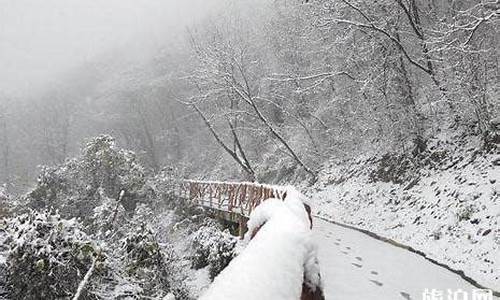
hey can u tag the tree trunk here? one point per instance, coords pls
(241, 162)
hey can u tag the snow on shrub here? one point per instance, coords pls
(152, 265)
(77, 186)
(393, 167)
(112, 168)
(111, 222)
(465, 212)
(213, 248)
(48, 257)
(142, 249)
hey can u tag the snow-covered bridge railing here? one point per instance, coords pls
(238, 198)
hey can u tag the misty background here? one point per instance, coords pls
(41, 41)
(267, 90)
(52, 55)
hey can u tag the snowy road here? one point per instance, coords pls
(355, 266)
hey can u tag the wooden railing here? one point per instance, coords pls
(233, 197)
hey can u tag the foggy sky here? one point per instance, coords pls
(40, 39)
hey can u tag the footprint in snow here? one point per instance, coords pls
(357, 265)
(346, 253)
(359, 258)
(348, 248)
(338, 240)
(337, 244)
(405, 295)
(378, 283)
(374, 272)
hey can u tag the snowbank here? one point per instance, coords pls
(274, 263)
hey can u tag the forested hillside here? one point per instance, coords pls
(272, 90)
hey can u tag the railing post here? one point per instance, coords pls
(242, 227)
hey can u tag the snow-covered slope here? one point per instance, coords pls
(448, 208)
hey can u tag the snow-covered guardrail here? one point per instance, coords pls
(233, 197)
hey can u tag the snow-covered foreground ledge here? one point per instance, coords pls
(279, 259)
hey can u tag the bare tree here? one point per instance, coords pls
(226, 67)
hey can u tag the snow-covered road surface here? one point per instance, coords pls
(355, 266)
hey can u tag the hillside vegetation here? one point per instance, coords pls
(97, 227)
